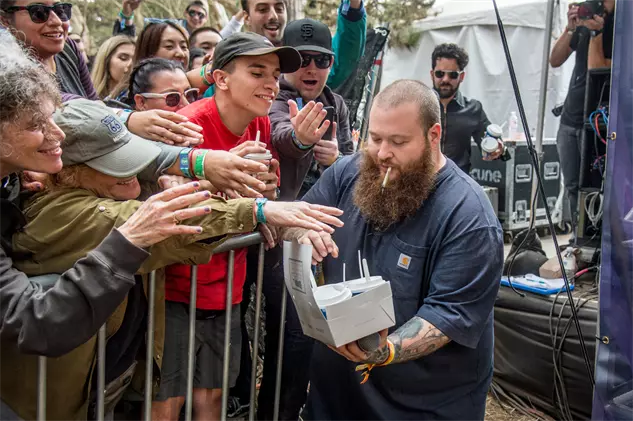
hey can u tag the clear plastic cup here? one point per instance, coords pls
(358, 286)
(328, 295)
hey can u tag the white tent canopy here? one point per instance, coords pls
(472, 25)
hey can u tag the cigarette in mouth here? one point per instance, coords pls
(384, 182)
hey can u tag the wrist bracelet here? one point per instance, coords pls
(184, 162)
(298, 144)
(203, 75)
(190, 156)
(198, 166)
(126, 17)
(125, 116)
(259, 214)
(392, 355)
(366, 368)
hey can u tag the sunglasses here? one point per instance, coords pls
(172, 99)
(150, 21)
(321, 61)
(39, 13)
(453, 75)
(193, 14)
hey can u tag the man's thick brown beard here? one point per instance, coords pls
(401, 198)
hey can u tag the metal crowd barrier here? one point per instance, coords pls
(229, 246)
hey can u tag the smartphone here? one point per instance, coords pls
(329, 116)
(587, 9)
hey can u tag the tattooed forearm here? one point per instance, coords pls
(379, 356)
(415, 339)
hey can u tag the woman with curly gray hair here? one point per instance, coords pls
(84, 296)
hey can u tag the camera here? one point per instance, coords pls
(587, 9)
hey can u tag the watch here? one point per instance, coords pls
(596, 33)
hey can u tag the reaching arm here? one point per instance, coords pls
(348, 42)
(81, 300)
(564, 45)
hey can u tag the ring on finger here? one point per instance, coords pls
(175, 218)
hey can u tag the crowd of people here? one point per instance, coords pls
(144, 163)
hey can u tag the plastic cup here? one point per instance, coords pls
(360, 285)
(328, 295)
(264, 158)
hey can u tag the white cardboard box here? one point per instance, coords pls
(362, 315)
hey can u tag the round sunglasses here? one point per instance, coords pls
(453, 75)
(172, 99)
(39, 13)
(321, 61)
(193, 14)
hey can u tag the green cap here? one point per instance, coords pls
(96, 137)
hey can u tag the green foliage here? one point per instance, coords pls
(398, 14)
(99, 15)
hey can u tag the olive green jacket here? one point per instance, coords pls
(63, 226)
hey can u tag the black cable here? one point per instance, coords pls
(541, 188)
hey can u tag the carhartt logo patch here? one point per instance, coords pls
(404, 261)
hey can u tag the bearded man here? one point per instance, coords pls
(463, 118)
(432, 233)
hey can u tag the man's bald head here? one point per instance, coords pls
(412, 91)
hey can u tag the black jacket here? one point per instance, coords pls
(297, 165)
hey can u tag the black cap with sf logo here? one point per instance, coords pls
(308, 35)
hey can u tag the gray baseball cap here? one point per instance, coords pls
(96, 137)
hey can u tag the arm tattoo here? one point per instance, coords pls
(378, 356)
(416, 339)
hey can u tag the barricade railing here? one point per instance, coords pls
(229, 246)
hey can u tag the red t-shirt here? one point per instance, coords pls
(212, 276)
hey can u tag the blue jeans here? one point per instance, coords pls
(568, 144)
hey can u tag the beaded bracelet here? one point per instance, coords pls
(298, 144)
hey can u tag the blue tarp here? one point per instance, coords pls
(613, 395)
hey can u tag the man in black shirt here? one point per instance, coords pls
(578, 36)
(462, 118)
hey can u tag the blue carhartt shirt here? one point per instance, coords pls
(444, 264)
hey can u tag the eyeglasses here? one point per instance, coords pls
(172, 99)
(39, 13)
(322, 61)
(453, 75)
(193, 14)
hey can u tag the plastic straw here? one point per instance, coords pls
(360, 265)
(343, 273)
(257, 137)
(366, 268)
